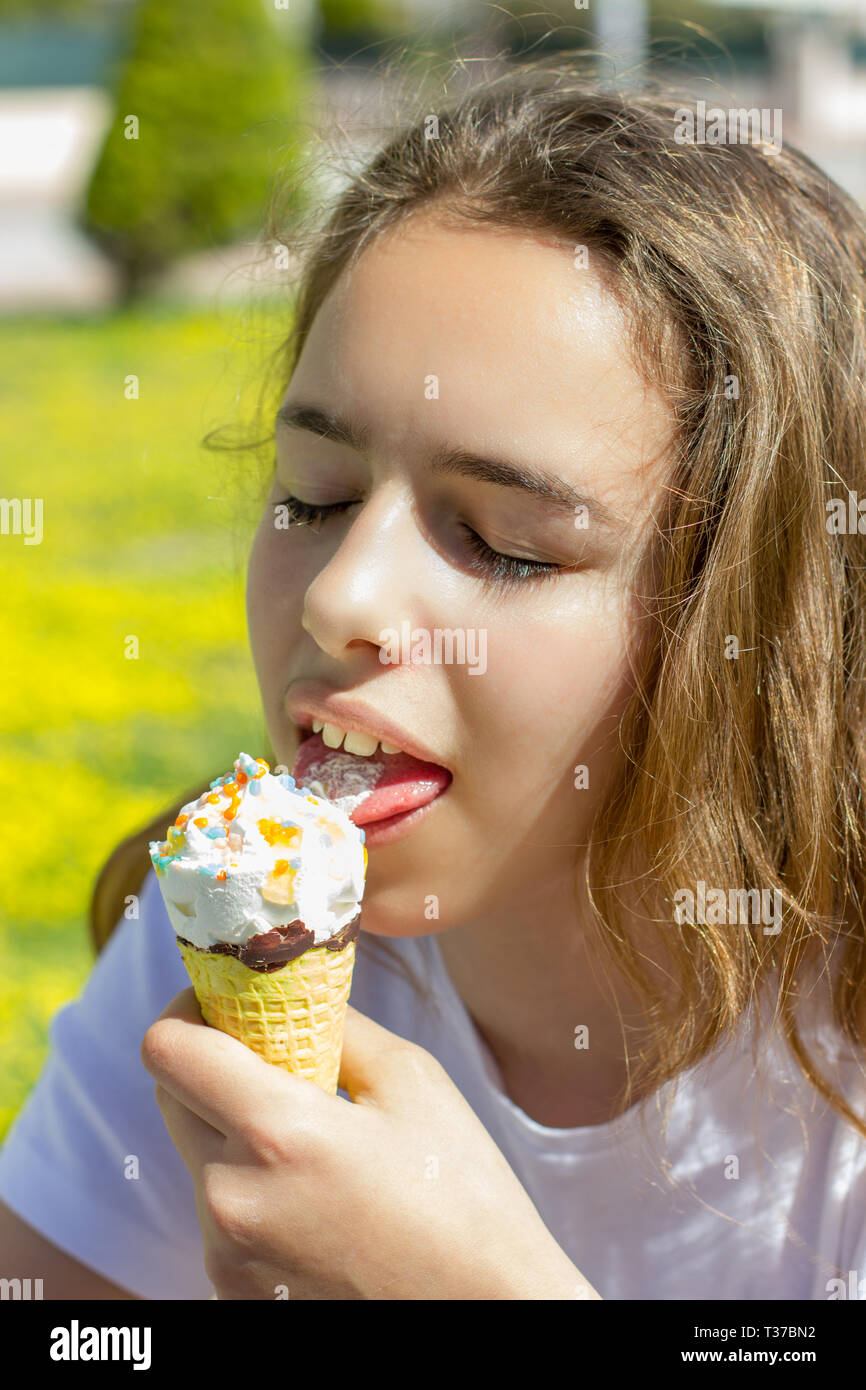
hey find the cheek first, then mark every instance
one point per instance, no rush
(555, 683)
(552, 699)
(275, 601)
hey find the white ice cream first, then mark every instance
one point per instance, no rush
(344, 778)
(253, 853)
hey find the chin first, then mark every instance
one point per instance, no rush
(396, 915)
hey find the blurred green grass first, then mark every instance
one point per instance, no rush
(145, 534)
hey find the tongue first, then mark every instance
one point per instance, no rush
(368, 789)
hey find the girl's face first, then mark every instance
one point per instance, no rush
(447, 347)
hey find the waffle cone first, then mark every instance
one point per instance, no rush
(292, 1017)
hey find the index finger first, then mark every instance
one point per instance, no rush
(220, 1079)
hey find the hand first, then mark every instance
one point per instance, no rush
(398, 1194)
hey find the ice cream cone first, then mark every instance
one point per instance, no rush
(292, 1017)
(262, 882)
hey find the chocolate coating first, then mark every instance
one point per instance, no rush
(273, 949)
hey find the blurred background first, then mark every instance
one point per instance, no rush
(140, 308)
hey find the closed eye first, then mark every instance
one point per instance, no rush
(308, 513)
(505, 568)
(490, 564)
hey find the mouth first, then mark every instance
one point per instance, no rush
(359, 731)
(380, 783)
(382, 832)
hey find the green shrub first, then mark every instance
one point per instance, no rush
(374, 17)
(219, 99)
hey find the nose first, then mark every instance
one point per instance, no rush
(372, 581)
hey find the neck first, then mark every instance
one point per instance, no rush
(538, 992)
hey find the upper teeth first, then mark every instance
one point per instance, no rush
(353, 742)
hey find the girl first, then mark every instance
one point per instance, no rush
(593, 396)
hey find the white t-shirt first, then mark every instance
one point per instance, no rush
(703, 1218)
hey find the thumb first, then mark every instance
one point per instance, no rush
(377, 1067)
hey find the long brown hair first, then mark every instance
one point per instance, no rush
(742, 269)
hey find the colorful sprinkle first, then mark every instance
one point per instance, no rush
(279, 834)
(230, 838)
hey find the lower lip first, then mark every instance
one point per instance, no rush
(384, 832)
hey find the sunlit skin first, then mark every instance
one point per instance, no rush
(541, 378)
(330, 1197)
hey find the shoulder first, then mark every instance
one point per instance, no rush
(139, 969)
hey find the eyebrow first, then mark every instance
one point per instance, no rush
(455, 461)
